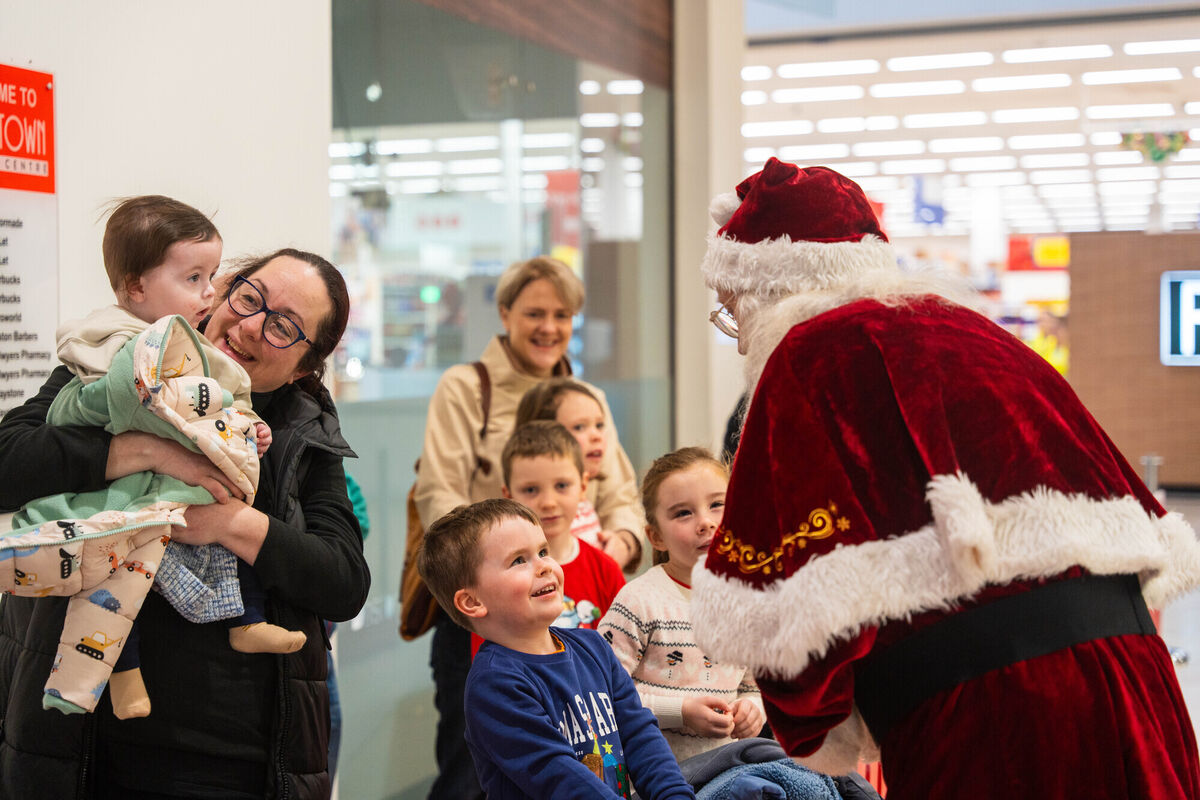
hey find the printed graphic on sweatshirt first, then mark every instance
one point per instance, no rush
(581, 614)
(590, 725)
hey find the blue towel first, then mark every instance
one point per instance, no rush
(752, 787)
(793, 782)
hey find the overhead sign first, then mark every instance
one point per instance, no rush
(1179, 318)
(28, 233)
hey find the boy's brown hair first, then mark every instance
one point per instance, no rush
(141, 229)
(450, 552)
(542, 401)
(540, 438)
(663, 468)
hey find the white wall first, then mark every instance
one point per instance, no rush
(709, 48)
(223, 104)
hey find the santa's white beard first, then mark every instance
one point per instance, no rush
(764, 321)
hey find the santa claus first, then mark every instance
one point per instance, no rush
(929, 544)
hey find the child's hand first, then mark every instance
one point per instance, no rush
(134, 451)
(616, 545)
(262, 437)
(748, 719)
(707, 716)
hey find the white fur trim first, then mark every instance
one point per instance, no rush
(970, 544)
(781, 266)
(846, 744)
(763, 321)
(722, 207)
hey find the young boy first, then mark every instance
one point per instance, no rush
(543, 471)
(550, 711)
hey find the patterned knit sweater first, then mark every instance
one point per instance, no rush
(649, 627)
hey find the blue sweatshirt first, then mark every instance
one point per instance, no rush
(564, 725)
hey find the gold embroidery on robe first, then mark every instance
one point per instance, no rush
(820, 524)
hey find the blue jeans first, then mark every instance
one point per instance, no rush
(335, 710)
(450, 658)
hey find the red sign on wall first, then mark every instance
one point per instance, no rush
(26, 130)
(562, 201)
(1038, 252)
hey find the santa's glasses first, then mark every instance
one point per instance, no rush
(724, 322)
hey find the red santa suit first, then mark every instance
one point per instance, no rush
(928, 541)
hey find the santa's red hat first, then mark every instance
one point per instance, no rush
(791, 229)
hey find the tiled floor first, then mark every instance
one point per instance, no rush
(1181, 620)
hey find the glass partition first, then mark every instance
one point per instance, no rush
(457, 150)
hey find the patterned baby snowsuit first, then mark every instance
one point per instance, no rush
(104, 548)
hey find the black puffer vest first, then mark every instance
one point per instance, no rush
(47, 754)
(300, 748)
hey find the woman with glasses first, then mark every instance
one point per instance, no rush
(223, 724)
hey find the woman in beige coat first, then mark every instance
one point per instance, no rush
(460, 463)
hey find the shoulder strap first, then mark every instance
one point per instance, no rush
(485, 403)
(485, 395)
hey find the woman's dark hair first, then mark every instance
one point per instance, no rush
(331, 327)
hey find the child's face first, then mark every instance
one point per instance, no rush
(549, 486)
(517, 582)
(690, 505)
(181, 284)
(584, 418)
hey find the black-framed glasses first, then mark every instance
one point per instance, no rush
(724, 322)
(278, 329)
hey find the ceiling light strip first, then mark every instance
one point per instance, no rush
(1069, 53)
(943, 61)
(1012, 83)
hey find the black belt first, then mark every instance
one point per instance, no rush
(891, 684)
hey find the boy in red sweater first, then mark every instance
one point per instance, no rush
(543, 471)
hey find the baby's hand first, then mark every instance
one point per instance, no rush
(707, 716)
(748, 719)
(262, 437)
